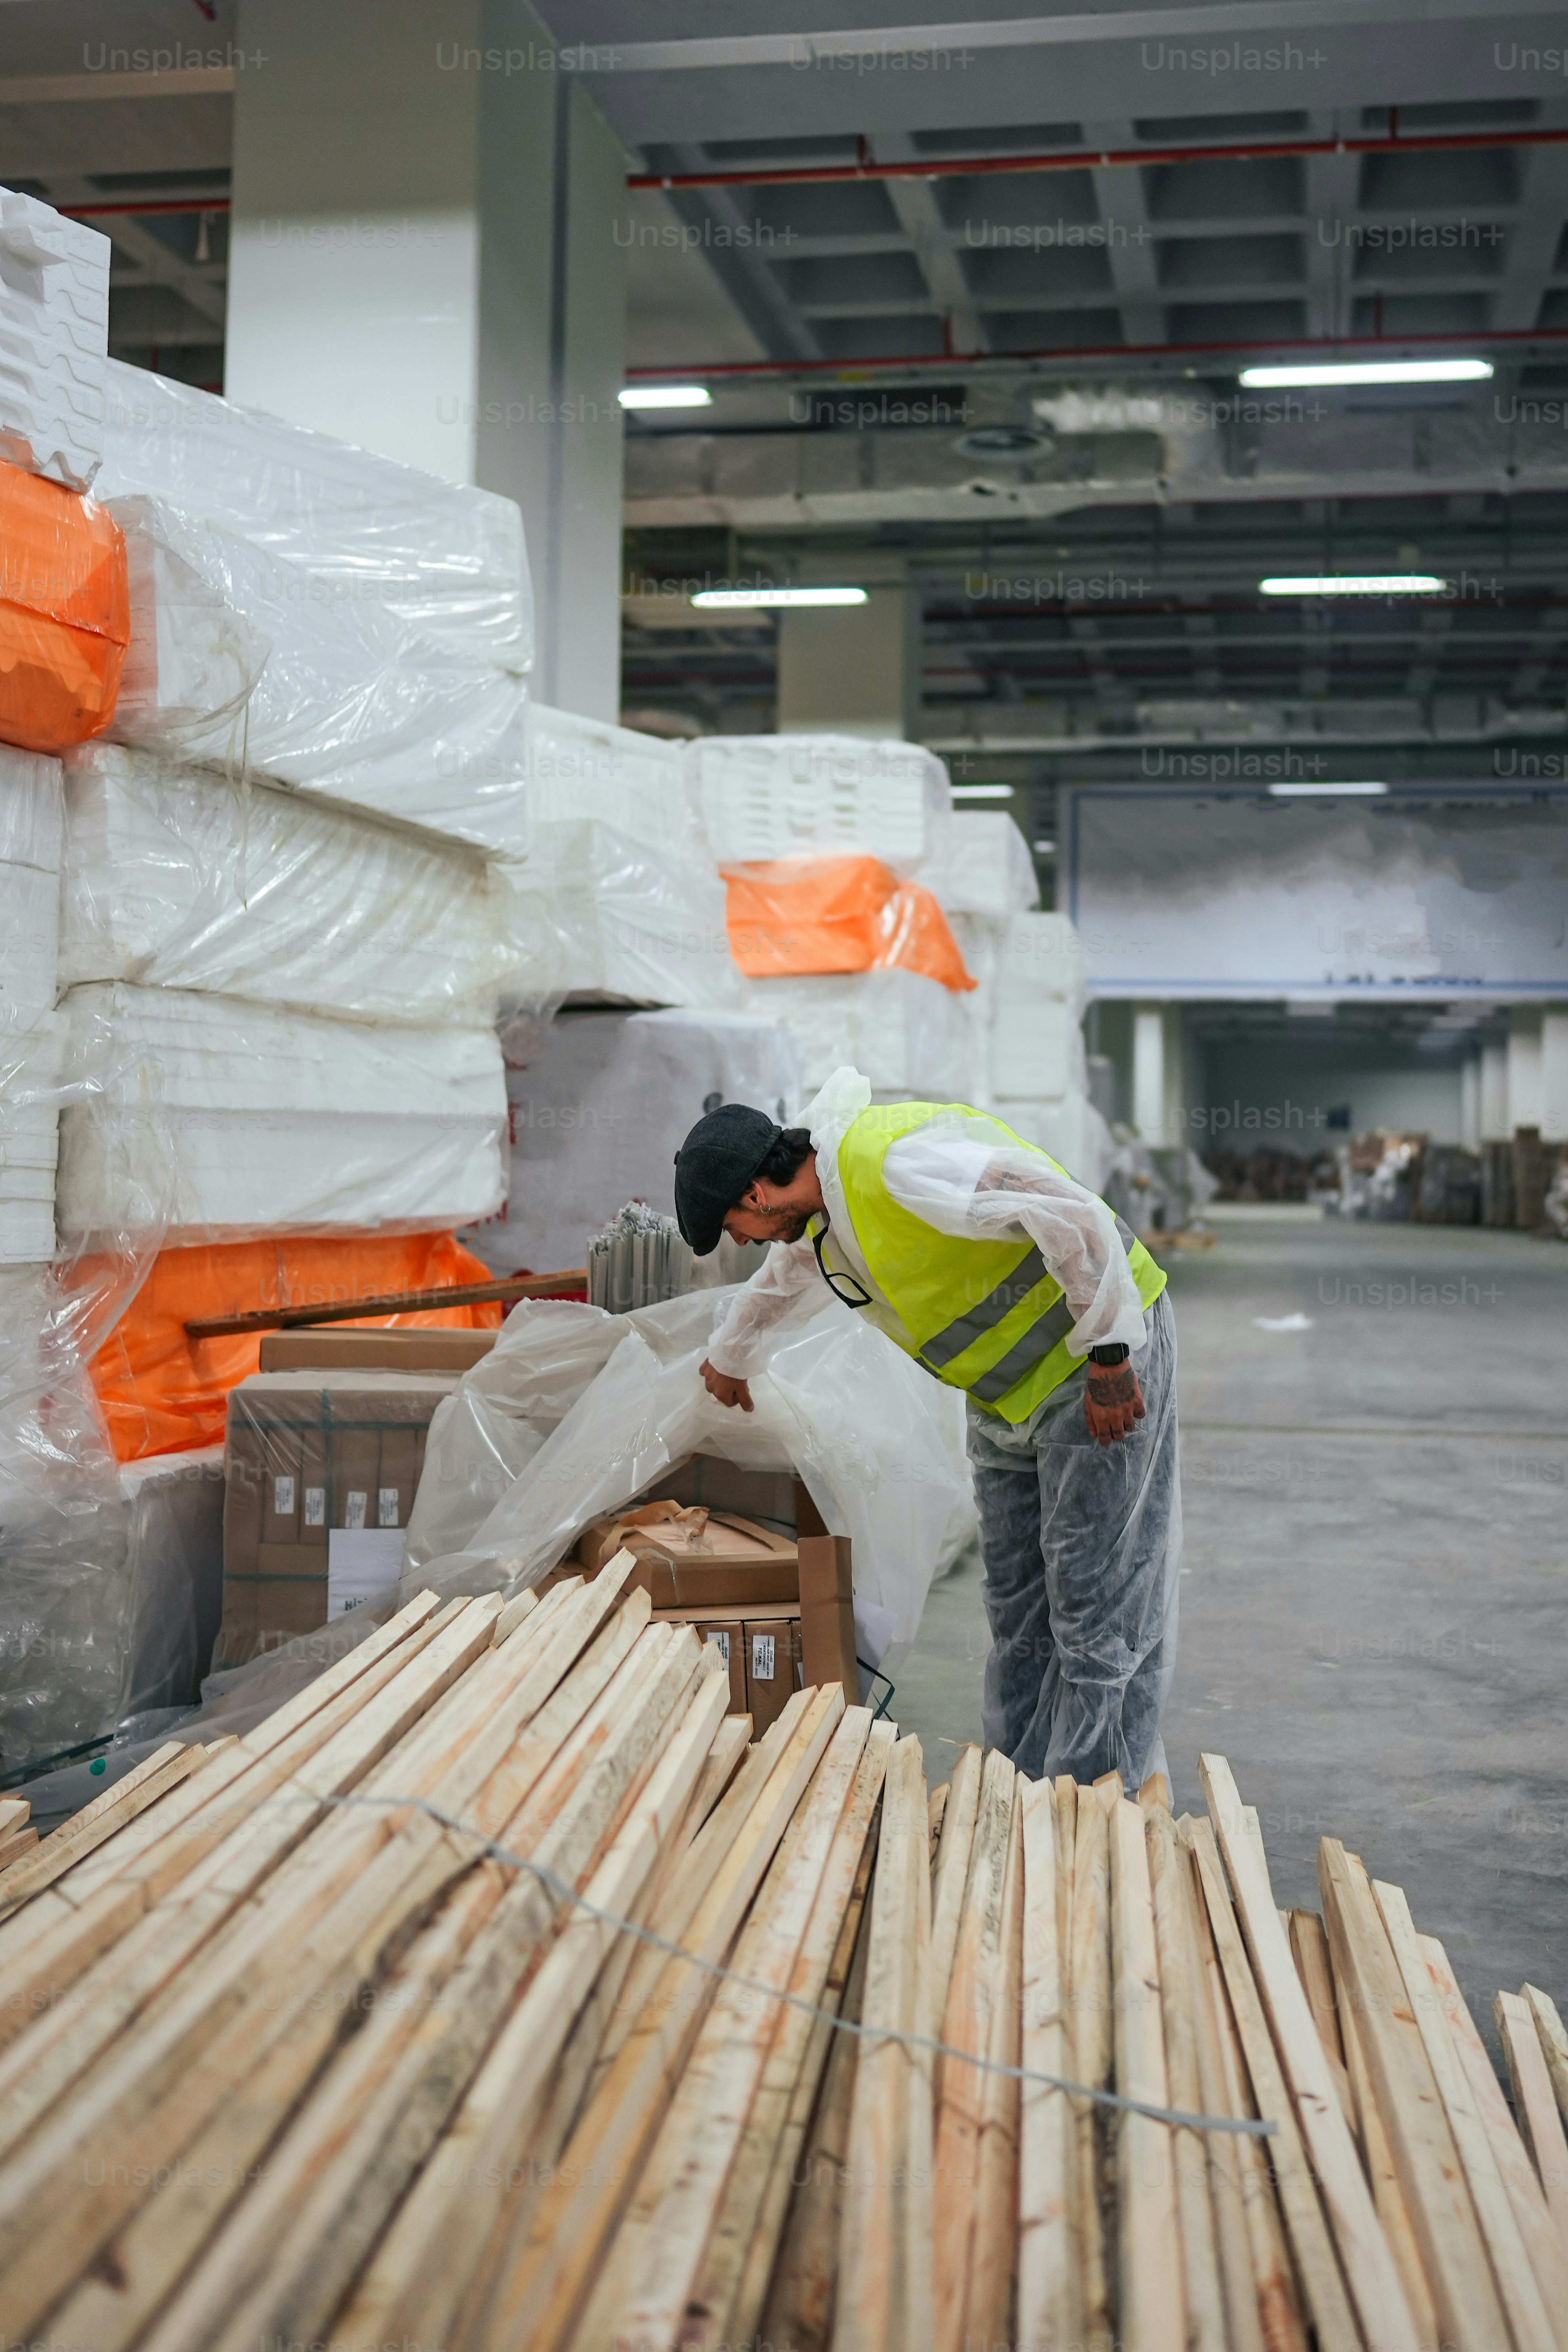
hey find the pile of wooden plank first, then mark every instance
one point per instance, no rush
(499, 1992)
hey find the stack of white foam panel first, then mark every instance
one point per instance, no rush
(906, 1033)
(780, 796)
(221, 1117)
(984, 871)
(601, 1102)
(54, 341)
(175, 1571)
(30, 833)
(174, 877)
(64, 1594)
(240, 658)
(1036, 1069)
(445, 559)
(618, 898)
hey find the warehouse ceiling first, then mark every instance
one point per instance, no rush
(972, 300)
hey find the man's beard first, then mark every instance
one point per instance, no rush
(787, 1225)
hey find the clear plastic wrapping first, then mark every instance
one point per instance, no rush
(243, 659)
(176, 877)
(246, 1119)
(600, 1405)
(443, 557)
(600, 1102)
(583, 769)
(596, 913)
(65, 1596)
(30, 1034)
(778, 795)
(54, 341)
(320, 1473)
(173, 1505)
(986, 867)
(908, 1034)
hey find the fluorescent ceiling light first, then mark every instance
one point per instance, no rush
(1325, 792)
(749, 600)
(1043, 848)
(983, 792)
(1369, 372)
(664, 395)
(1354, 583)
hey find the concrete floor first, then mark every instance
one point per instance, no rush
(1374, 1598)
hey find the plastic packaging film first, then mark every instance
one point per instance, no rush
(908, 1035)
(763, 796)
(596, 912)
(64, 613)
(444, 558)
(246, 661)
(54, 336)
(176, 877)
(986, 867)
(162, 1390)
(601, 1101)
(256, 1119)
(878, 1445)
(796, 915)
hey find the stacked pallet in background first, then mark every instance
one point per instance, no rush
(347, 2029)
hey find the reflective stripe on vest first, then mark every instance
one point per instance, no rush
(987, 1299)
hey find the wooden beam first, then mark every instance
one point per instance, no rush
(405, 1302)
(1528, 2321)
(1259, 2305)
(1317, 2263)
(1179, 1998)
(1047, 2284)
(884, 2301)
(1369, 2270)
(1150, 2307)
(1533, 2103)
(1452, 2253)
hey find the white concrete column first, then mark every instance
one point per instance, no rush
(1470, 1102)
(423, 259)
(852, 669)
(1149, 1073)
(1495, 1125)
(1555, 1074)
(1524, 1066)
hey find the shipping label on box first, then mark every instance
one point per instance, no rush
(362, 1564)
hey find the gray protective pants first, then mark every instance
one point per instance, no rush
(1082, 1546)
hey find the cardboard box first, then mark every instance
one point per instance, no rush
(727, 1633)
(828, 1614)
(331, 1346)
(691, 1563)
(308, 1451)
(773, 1667)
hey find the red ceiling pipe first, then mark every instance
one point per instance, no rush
(1082, 159)
(163, 205)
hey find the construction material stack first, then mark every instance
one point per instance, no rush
(497, 1991)
(818, 837)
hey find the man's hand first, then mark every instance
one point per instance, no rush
(1113, 1402)
(729, 1392)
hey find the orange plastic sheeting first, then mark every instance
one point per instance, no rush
(799, 915)
(162, 1392)
(65, 613)
(917, 935)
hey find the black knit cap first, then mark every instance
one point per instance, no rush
(714, 1168)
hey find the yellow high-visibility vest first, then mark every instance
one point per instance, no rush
(985, 1317)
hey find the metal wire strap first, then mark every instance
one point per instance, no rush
(1247, 2126)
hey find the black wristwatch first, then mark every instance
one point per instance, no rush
(1116, 1354)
